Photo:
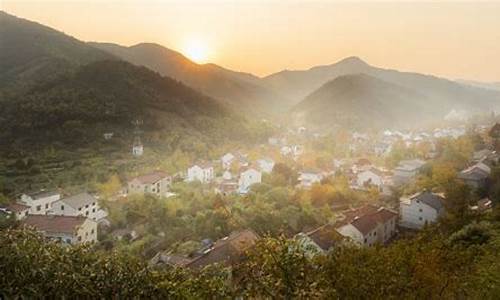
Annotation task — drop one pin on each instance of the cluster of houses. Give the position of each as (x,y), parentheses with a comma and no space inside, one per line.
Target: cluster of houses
(365,226)
(72,220)
(246,174)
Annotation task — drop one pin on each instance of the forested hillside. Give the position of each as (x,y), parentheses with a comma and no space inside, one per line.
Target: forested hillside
(243,92)
(107,96)
(32,53)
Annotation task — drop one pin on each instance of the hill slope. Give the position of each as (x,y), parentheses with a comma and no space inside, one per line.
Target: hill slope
(363,101)
(242,91)
(107,96)
(31,52)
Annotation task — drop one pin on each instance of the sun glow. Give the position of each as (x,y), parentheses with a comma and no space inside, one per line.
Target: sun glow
(197,51)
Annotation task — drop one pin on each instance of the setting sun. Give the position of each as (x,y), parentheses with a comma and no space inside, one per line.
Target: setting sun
(197,51)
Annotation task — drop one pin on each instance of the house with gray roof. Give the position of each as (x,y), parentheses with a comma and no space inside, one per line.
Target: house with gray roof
(420,209)
(83,204)
(40,202)
(476,176)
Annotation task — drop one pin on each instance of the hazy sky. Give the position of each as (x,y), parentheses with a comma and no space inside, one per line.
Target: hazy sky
(456,40)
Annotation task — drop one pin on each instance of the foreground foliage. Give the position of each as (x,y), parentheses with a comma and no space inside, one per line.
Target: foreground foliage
(433,264)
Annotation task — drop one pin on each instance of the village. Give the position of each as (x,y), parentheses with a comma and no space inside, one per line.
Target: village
(382,171)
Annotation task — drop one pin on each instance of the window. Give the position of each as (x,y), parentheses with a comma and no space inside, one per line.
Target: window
(69,240)
(420,210)
(92,231)
(38,208)
(420,218)
(80,209)
(86,213)
(79,238)
(26,213)
(87,206)
(93,203)
(365,240)
(62,207)
(93,210)
(375,233)
(46,206)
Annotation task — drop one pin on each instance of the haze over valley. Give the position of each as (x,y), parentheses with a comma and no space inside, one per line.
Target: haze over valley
(129,169)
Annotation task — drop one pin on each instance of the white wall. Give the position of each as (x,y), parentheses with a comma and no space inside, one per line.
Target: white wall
(415,215)
(90,211)
(39,206)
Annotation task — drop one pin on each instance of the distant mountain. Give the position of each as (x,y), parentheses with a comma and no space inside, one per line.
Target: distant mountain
(446,94)
(298,84)
(31,52)
(484,85)
(106,96)
(363,101)
(243,91)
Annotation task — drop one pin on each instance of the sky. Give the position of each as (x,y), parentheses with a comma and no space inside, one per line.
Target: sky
(457,40)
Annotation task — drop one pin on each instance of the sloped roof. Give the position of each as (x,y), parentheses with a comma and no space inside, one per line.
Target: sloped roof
(55,224)
(79,200)
(42,194)
(478,171)
(366,218)
(151,178)
(363,162)
(17,207)
(203,164)
(325,236)
(368,222)
(434,200)
(227,250)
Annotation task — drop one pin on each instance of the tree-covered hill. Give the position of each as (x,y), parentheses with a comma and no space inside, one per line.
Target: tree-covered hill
(107,96)
(31,52)
(244,92)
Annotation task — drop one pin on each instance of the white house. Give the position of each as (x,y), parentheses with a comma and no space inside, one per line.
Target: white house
(420,209)
(320,240)
(476,176)
(309,177)
(67,229)
(370,177)
(227,159)
(40,202)
(247,178)
(82,204)
(17,210)
(371,226)
(157,182)
(202,172)
(266,165)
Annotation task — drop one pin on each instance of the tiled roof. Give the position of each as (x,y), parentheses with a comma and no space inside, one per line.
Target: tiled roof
(151,177)
(57,224)
(368,222)
(17,207)
(433,200)
(366,218)
(325,236)
(42,194)
(203,164)
(79,200)
(227,250)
